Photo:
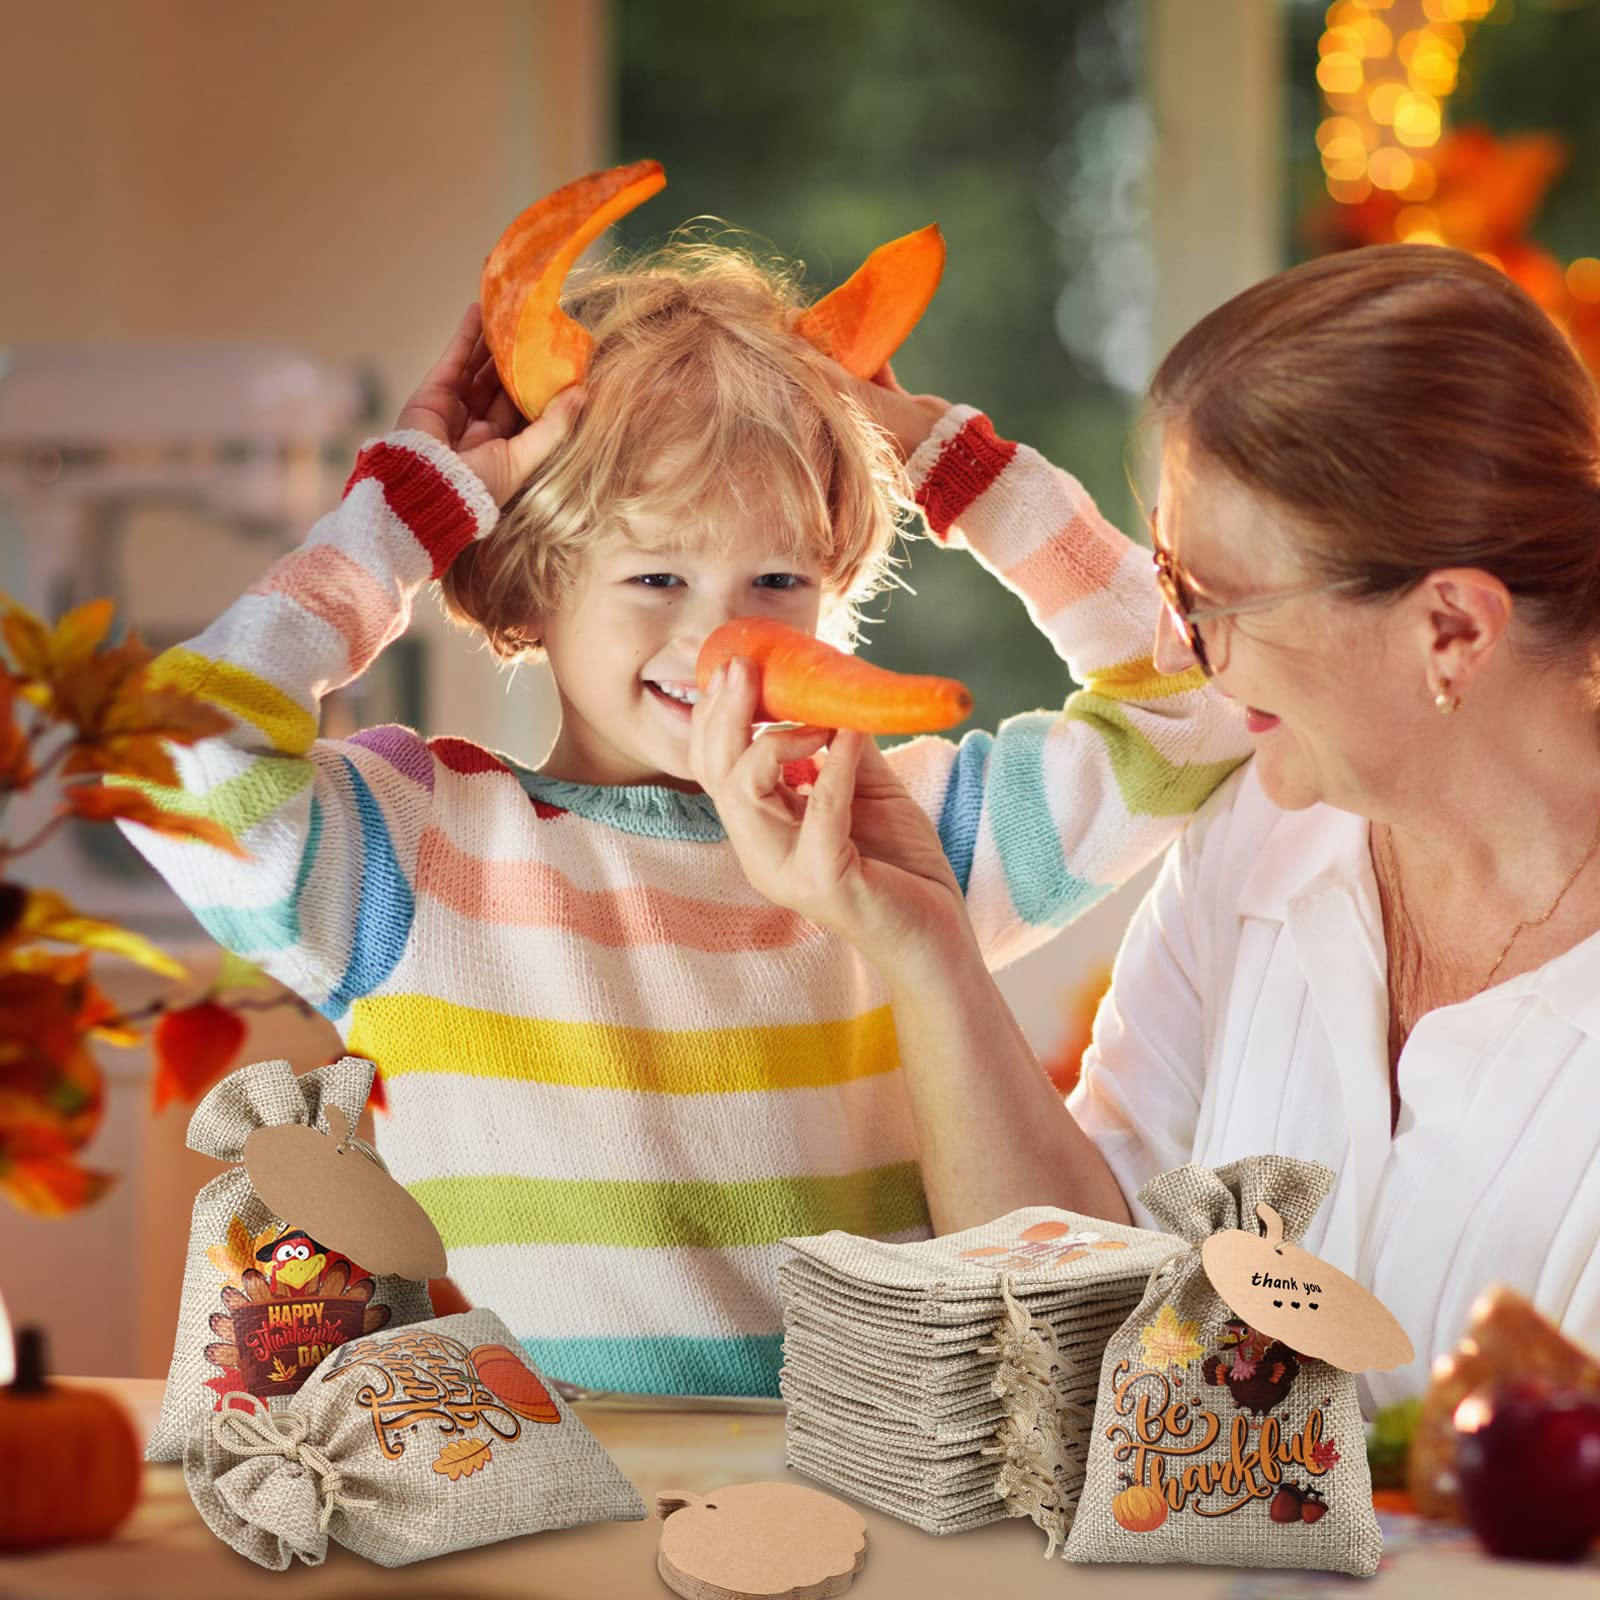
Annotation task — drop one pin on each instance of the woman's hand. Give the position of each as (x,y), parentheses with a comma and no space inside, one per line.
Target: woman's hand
(908,419)
(462,404)
(858,856)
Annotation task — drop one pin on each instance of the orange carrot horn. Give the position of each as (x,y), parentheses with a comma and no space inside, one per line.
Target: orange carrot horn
(536,346)
(805,680)
(866,319)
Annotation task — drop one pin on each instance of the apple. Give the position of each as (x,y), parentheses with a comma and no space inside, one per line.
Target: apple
(1528,1458)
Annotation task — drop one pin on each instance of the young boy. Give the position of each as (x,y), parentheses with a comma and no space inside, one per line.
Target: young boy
(616,1075)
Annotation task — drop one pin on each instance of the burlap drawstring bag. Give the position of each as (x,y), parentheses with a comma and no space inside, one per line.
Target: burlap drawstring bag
(951,1381)
(263,1302)
(1212,1442)
(413,1443)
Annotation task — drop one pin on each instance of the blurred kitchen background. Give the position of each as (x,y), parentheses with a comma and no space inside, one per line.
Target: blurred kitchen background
(236,235)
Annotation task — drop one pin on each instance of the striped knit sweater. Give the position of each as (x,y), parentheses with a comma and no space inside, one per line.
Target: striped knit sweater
(616,1076)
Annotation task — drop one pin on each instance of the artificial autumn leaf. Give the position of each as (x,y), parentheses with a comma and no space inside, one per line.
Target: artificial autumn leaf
(16,754)
(234,972)
(124,720)
(193,1047)
(462,1457)
(49,916)
(1169,1343)
(47,1074)
(41,653)
(13,902)
(236,1254)
(39,1172)
(98,802)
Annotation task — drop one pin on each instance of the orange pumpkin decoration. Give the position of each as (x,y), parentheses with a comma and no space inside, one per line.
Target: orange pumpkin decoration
(508,1376)
(71,1458)
(866,319)
(537,348)
(1139,1508)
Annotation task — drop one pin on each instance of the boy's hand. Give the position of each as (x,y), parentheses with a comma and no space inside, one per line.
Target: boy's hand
(858,856)
(462,404)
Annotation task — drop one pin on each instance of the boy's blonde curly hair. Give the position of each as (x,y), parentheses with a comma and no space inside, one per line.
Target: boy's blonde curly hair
(699,398)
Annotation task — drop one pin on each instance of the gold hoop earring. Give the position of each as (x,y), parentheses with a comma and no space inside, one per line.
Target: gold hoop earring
(1444,702)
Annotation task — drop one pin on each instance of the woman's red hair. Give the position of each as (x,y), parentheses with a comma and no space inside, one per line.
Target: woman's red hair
(1414,409)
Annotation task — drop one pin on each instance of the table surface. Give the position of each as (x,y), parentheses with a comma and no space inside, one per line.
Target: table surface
(166,1550)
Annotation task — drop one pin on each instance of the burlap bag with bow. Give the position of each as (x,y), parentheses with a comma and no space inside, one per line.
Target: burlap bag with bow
(1212,1443)
(262,1301)
(412,1443)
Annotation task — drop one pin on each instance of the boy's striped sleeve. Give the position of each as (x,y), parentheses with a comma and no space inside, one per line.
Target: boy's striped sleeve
(332,826)
(1056,808)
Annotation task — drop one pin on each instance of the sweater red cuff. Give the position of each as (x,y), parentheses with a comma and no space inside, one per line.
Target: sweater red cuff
(971,460)
(422,497)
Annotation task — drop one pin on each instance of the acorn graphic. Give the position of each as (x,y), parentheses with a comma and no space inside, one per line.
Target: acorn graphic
(1315,1507)
(1288,1504)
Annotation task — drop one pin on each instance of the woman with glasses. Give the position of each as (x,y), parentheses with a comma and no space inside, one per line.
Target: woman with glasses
(1378,945)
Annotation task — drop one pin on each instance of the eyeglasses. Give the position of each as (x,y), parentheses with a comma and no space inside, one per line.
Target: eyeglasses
(1185,614)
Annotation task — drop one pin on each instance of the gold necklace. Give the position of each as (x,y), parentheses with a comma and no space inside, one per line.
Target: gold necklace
(1401,917)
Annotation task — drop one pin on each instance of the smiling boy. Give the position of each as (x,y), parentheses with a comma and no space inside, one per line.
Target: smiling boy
(617,1076)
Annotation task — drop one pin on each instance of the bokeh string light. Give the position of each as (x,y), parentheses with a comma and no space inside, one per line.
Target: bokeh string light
(1386,68)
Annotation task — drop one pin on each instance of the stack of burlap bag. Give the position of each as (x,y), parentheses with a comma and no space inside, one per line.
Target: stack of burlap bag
(951,1382)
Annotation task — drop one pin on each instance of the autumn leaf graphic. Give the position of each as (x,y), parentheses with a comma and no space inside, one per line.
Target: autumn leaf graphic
(1324,1453)
(281,1373)
(234,1257)
(462,1457)
(1169,1343)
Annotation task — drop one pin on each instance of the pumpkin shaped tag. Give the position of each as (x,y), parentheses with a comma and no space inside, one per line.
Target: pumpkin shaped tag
(1289,1294)
(759,1541)
(338,1191)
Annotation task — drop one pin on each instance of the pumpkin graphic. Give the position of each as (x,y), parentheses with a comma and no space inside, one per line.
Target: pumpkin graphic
(507,1376)
(1139,1508)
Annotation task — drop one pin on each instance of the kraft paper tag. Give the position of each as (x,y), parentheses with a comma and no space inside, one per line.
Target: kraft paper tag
(342,1197)
(1289,1294)
(759,1541)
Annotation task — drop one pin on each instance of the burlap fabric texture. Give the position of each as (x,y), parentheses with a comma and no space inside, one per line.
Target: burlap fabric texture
(950,1382)
(248,1320)
(412,1443)
(1213,1443)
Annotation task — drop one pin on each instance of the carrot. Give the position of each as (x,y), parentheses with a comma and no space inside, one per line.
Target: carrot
(806,680)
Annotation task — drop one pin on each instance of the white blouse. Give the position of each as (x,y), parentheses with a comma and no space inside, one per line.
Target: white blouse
(1249,1013)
